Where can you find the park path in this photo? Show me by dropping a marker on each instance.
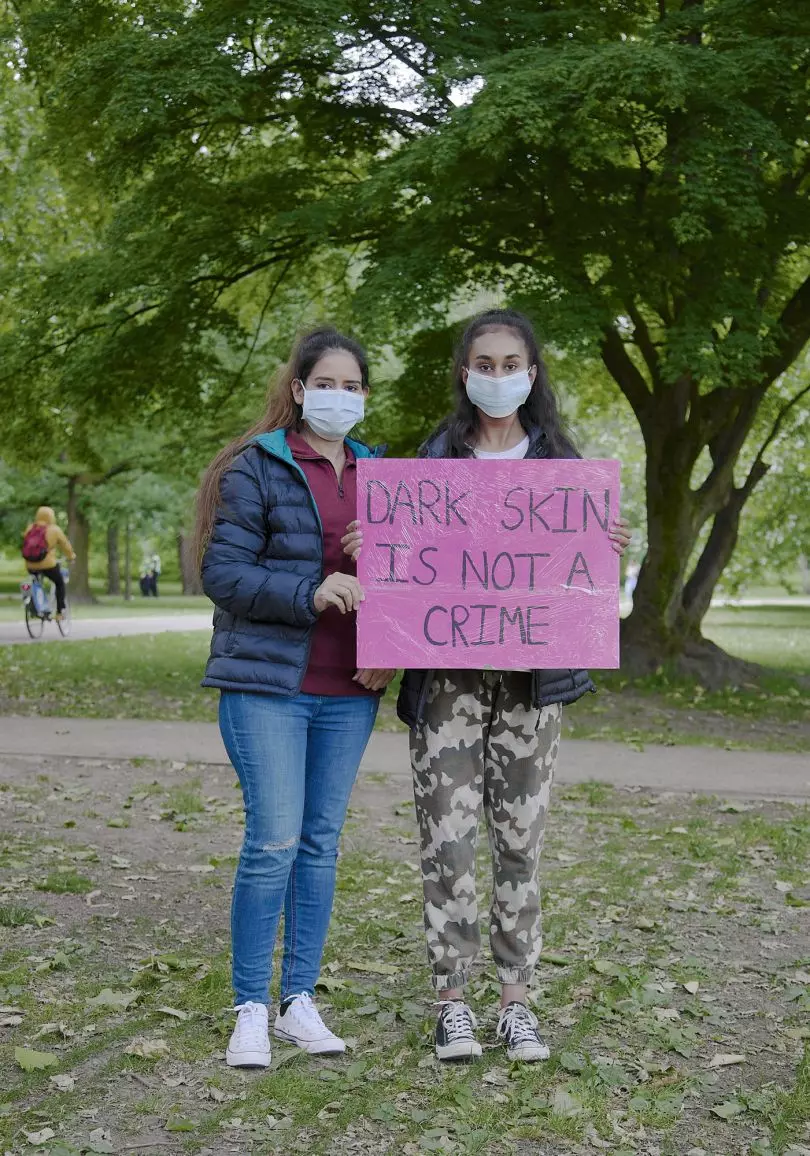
(681, 769)
(84, 628)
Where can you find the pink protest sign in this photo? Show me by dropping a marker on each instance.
(499, 564)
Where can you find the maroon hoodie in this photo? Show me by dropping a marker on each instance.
(333, 656)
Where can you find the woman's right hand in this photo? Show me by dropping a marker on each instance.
(340, 590)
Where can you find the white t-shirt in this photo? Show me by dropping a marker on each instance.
(518, 451)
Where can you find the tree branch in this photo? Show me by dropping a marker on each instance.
(793, 328)
(758, 463)
(645, 344)
(624, 372)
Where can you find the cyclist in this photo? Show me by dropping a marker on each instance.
(41, 541)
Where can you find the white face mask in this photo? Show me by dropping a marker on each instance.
(498, 396)
(331, 413)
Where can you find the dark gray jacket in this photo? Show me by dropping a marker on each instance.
(548, 686)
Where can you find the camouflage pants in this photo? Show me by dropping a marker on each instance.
(482, 745)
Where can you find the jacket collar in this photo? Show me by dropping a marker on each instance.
(275, 443)
(436, 445)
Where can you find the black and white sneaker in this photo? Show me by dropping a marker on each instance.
(518, 1028)
(455, 1032)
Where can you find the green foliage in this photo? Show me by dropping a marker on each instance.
(635, 175)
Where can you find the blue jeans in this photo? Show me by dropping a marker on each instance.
(297, 759)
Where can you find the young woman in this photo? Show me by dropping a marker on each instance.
(488, 739)
(295, 713)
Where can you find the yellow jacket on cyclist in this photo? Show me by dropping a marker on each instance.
(55, 538)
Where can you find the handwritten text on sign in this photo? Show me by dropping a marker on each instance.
(501, 564)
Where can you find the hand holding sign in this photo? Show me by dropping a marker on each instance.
(500, 564)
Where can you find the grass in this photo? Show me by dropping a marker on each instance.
(157, 677)
(632, 914)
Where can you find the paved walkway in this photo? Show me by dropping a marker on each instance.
(751, 774)
(83, 628)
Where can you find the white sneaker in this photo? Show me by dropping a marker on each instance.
(249, 1046)
(301, 1025)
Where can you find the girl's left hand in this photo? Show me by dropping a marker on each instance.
(620, 535)
(352, 541)
(374, 679)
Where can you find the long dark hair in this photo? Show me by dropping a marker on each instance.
(539, 412)
(282, 411)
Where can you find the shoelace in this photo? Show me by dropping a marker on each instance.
(252, 1024)
(519, 1023)
(303, 1008)
(458, 1020)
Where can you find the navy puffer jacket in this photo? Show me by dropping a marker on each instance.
(547, 686)
(261, 569)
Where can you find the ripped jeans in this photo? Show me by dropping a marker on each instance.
(297, 759)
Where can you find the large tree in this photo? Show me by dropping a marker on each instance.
(635, 173)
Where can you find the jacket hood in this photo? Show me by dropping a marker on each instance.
(46, 516)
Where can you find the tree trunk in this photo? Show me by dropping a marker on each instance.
(650, 635)
(189, 574)
(79, 534)
(113, 566)
(127, 563)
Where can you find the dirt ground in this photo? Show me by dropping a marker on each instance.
(674, 990)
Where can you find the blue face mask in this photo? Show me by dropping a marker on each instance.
(498, 396)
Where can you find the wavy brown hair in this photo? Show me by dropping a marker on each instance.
(282, 411)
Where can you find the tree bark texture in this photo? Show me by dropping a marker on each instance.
(79, 534)
(189, 574)
(113, 560)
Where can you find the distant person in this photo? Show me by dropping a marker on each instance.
(156, 571)
(145, 580)
(41, 541)
(630, 580)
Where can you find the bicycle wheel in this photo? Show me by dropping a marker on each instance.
(33, 623)
(64, 623)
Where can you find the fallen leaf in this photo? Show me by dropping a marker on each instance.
(148, 1049)
(564, 1104)
(63, 1082)
(39, 1137)
(119, 1000)
(497, 1077)
(175, 1013)
(728, 1110)
(31, 1061)
(373, 968)
(679, 831)
(327, 983)
(180, 1124)
(99, 1141)
(555, 958)
(691, 986)
(725, 1061)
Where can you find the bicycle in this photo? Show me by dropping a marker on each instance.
(40, 606)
